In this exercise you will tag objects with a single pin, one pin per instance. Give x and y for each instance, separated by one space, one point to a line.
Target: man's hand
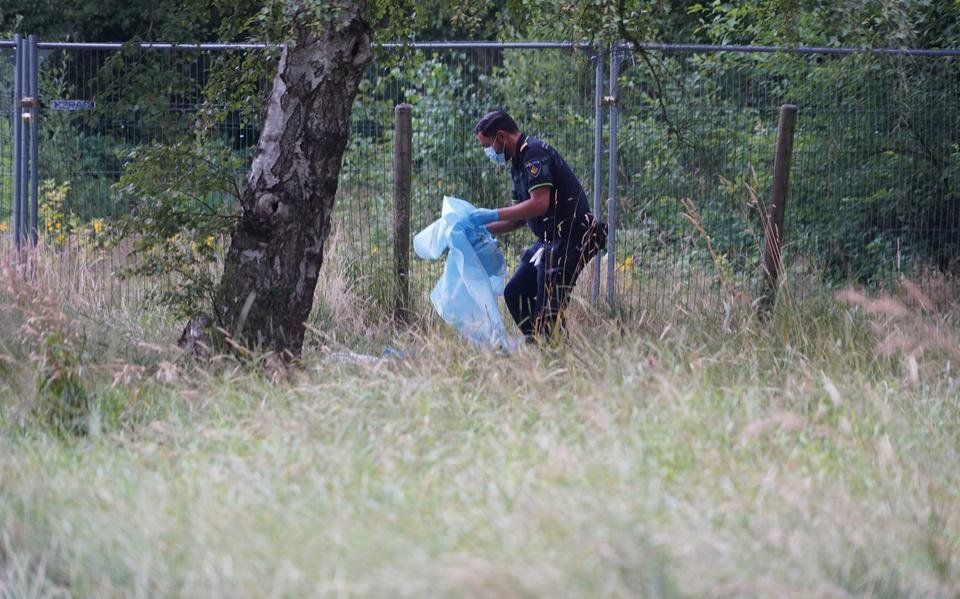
483 216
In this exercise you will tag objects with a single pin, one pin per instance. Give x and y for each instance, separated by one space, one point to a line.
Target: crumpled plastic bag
473 277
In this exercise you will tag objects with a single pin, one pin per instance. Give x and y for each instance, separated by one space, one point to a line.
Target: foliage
6 166
697 127
863 23
56 347
183 201
59 226
122 20
51 210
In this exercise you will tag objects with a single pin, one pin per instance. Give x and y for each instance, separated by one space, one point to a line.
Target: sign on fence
73 105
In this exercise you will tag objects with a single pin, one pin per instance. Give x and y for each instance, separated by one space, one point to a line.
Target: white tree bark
276 248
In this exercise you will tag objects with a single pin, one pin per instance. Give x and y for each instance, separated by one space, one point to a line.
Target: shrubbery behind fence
874 185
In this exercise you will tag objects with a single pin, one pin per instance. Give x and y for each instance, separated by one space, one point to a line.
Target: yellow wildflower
60 238
374 251
3 227
97 226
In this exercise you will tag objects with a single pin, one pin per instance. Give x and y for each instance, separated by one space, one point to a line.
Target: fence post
773 227
17 130
34 91
402 158
612 100
597 156
24 140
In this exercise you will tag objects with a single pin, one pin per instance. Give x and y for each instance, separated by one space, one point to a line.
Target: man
549 198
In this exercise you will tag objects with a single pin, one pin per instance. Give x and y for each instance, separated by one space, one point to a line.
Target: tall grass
680 455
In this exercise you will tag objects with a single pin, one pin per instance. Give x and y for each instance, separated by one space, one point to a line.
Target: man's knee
511 291
513 294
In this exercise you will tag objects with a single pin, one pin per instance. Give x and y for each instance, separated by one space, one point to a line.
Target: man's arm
537 205
514 216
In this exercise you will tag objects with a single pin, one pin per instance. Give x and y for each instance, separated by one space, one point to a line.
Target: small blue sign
73 104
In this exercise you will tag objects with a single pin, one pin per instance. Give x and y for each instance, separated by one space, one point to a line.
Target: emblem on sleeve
534 168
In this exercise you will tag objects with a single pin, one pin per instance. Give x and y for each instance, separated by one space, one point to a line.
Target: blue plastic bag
473 277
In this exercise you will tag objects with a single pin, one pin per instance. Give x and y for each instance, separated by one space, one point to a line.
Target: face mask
496 157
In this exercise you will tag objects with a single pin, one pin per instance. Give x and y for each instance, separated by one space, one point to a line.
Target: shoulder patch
534 168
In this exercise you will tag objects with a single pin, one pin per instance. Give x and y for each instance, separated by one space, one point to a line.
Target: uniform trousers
540 288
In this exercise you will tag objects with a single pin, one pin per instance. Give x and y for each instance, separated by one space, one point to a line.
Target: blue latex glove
483 216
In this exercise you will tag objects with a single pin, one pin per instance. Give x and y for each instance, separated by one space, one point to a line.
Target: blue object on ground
473 277
393 353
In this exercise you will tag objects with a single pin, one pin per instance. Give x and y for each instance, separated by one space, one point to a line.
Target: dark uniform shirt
537 164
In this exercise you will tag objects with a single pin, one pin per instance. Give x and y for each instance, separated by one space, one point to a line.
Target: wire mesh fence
98 104
875 182
6 145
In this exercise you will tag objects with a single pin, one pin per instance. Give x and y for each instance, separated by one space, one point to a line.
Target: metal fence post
34 90
17 129
402 159
615 58
597 155
24 127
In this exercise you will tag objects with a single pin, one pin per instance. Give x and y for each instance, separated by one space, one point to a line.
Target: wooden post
402 158
773 233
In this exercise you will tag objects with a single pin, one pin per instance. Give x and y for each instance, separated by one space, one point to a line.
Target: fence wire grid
873 187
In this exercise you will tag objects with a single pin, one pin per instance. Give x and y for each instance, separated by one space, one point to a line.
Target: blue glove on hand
483 216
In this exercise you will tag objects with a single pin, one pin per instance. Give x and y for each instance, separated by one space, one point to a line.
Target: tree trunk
276 249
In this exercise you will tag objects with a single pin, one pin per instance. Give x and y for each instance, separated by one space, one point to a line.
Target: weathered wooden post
773 226
402 158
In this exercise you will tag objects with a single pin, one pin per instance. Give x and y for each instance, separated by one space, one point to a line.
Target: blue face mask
496 157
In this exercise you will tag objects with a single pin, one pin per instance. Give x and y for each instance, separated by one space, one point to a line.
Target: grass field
814 455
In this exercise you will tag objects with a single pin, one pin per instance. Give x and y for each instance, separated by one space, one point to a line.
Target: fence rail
452 45
687 138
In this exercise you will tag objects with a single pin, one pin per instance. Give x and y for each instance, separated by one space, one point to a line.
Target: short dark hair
496 120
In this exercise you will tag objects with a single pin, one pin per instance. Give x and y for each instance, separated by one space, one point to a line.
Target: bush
56 348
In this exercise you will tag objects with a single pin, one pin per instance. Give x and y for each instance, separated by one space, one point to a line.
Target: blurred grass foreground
814 454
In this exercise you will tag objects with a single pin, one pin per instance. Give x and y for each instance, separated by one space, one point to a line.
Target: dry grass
684 455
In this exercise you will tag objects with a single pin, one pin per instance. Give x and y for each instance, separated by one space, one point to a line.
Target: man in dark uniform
549 198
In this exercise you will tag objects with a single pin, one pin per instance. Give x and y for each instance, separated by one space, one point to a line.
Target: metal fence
674 145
